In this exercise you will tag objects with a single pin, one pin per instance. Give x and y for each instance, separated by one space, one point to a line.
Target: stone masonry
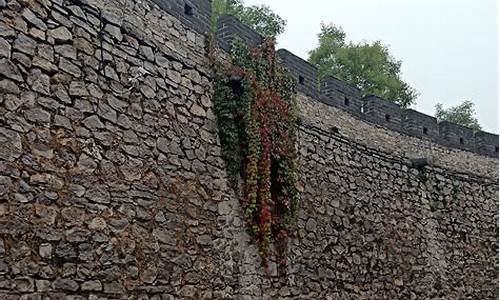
112 184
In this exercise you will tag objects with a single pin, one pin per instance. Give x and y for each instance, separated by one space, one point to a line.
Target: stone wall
112 185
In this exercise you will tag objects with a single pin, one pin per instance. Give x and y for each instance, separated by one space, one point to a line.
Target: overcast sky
449 48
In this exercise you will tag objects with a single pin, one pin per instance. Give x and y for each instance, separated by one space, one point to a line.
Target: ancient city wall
112 184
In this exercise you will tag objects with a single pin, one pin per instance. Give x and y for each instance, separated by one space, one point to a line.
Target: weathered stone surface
60 34
29 16
65 285
92 285
45 250
114 31
44 64
37 115
93 123
66 51
10 70
78 88
8 86
113 185
5 48
25 44
12 145
69 67
39 82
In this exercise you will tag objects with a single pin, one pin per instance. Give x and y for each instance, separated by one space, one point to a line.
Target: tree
261 18
462 114
368 66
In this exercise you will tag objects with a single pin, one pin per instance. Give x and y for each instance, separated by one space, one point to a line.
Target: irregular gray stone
106 112
167 146
20 198
174 76
78 88
69 67
8 86
114 31
49 103
111 73
43 150
62 121
86 164
37 33
66 50
65 284
164 236
92 285
6 30
62 94
45 51
204 240
198 111
147 52
118 225
77 189
311 225
93 123
5 48
117 104
37 115
45 250
10 70
113 288
147 91
13 102
25 44
29 16
132 169
99 194
39 82
124 121
42 286
97 223
44 64
84 45
61 34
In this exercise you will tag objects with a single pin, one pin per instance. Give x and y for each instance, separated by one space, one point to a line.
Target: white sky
449 48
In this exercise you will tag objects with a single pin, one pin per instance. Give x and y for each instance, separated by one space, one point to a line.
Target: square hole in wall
425 130
496 149
188 10
387 118
346 101
301 80
461 141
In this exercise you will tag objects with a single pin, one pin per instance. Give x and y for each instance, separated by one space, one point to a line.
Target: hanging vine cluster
257 115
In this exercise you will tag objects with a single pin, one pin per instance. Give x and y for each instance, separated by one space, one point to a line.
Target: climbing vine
257 114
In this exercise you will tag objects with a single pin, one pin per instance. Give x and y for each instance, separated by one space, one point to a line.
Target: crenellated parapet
486 143
457 136
228 28
305 73
340 94
382 112
194 14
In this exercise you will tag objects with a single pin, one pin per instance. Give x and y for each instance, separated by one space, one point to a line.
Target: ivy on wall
257 114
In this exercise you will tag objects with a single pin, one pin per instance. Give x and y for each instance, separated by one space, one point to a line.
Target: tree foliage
462 114
261 18
368 66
